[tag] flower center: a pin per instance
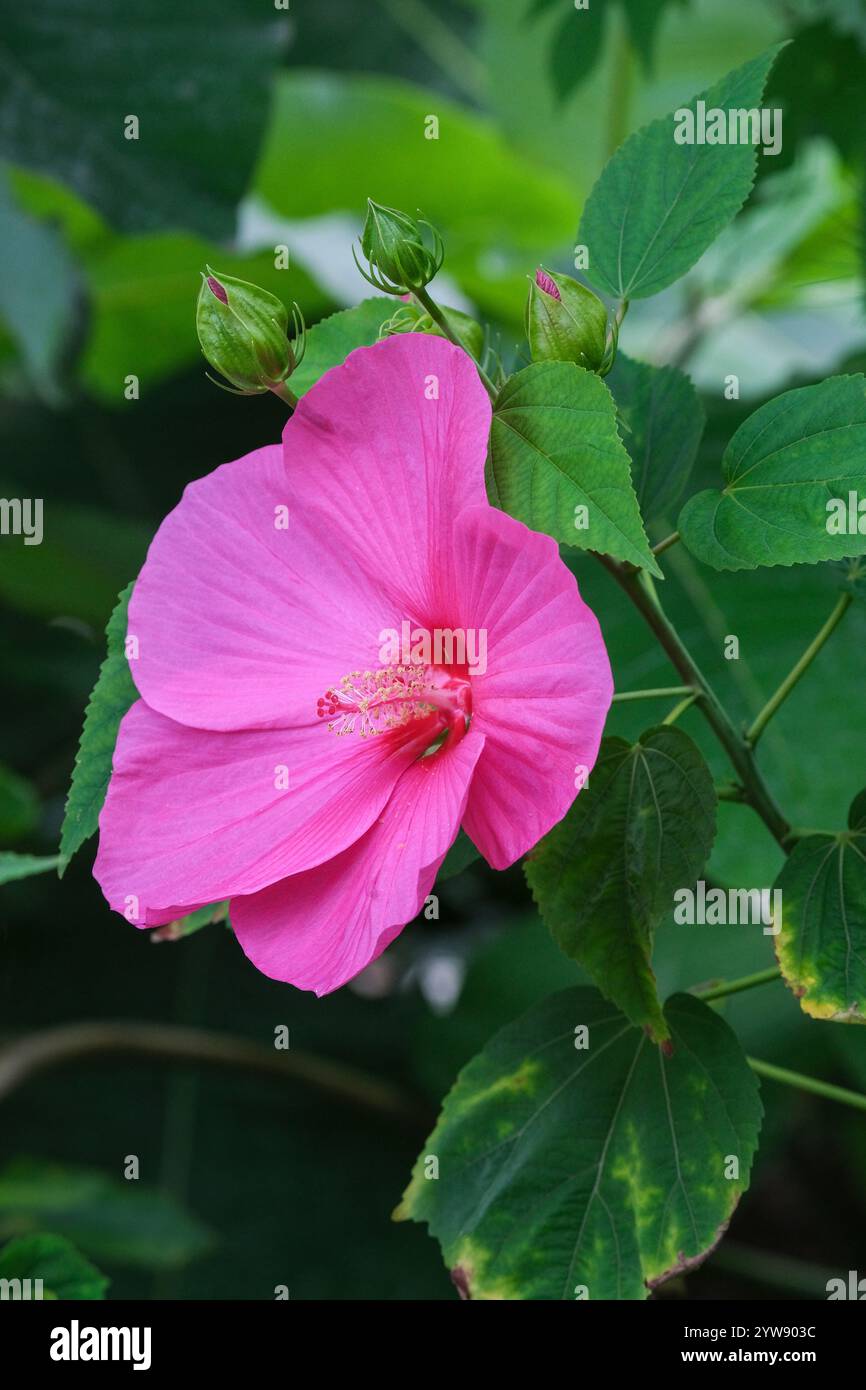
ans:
(372, 702)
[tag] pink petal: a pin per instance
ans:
(242, 624)
(543, 699)
(195, 816)
(216, 289)
(544, 282)
(319, 929)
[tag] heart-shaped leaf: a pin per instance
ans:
(573, 1159)
(790, 471)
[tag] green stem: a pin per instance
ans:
(730, 791)
(805, 832)
(439, 318)
(641, 590)
(661, 690)
(435, 38)
(612, 338)
(666, 543)
(681, 708)
(761, 977)
(807, 1083)
(282, 391)
(802, 665)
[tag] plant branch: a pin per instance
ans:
(681, 708)
(34, 1053)
(721, 991)
(282, 391)
(802, 665)
(658, 692)
(439, 318)
(666, 543)
(730, 791)
(611, 341)
(641, 590)
(807, 1083)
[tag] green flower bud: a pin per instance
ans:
(565, 322)
(243, 333)
(398, 258)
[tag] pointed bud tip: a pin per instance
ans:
(216, 289)
(544, 282)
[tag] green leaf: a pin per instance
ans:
(575, 49)
(642, 826)
(783, 465)
(644, 17)
(111, 697)
(39, 292)
(461, 854)
(15, 866)
(664, 421)
(195, 77)
(62, 1270)
(603, 1168)
(330, 341)
(554, 448)
(822, 944)
(114, 1220)
(658, 205)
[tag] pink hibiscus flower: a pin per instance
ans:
(275, 758)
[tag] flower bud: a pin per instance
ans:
(243, 333)
(398, 258)
(565, 322)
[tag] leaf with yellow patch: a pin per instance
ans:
(574, 1160)
(822, 943)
